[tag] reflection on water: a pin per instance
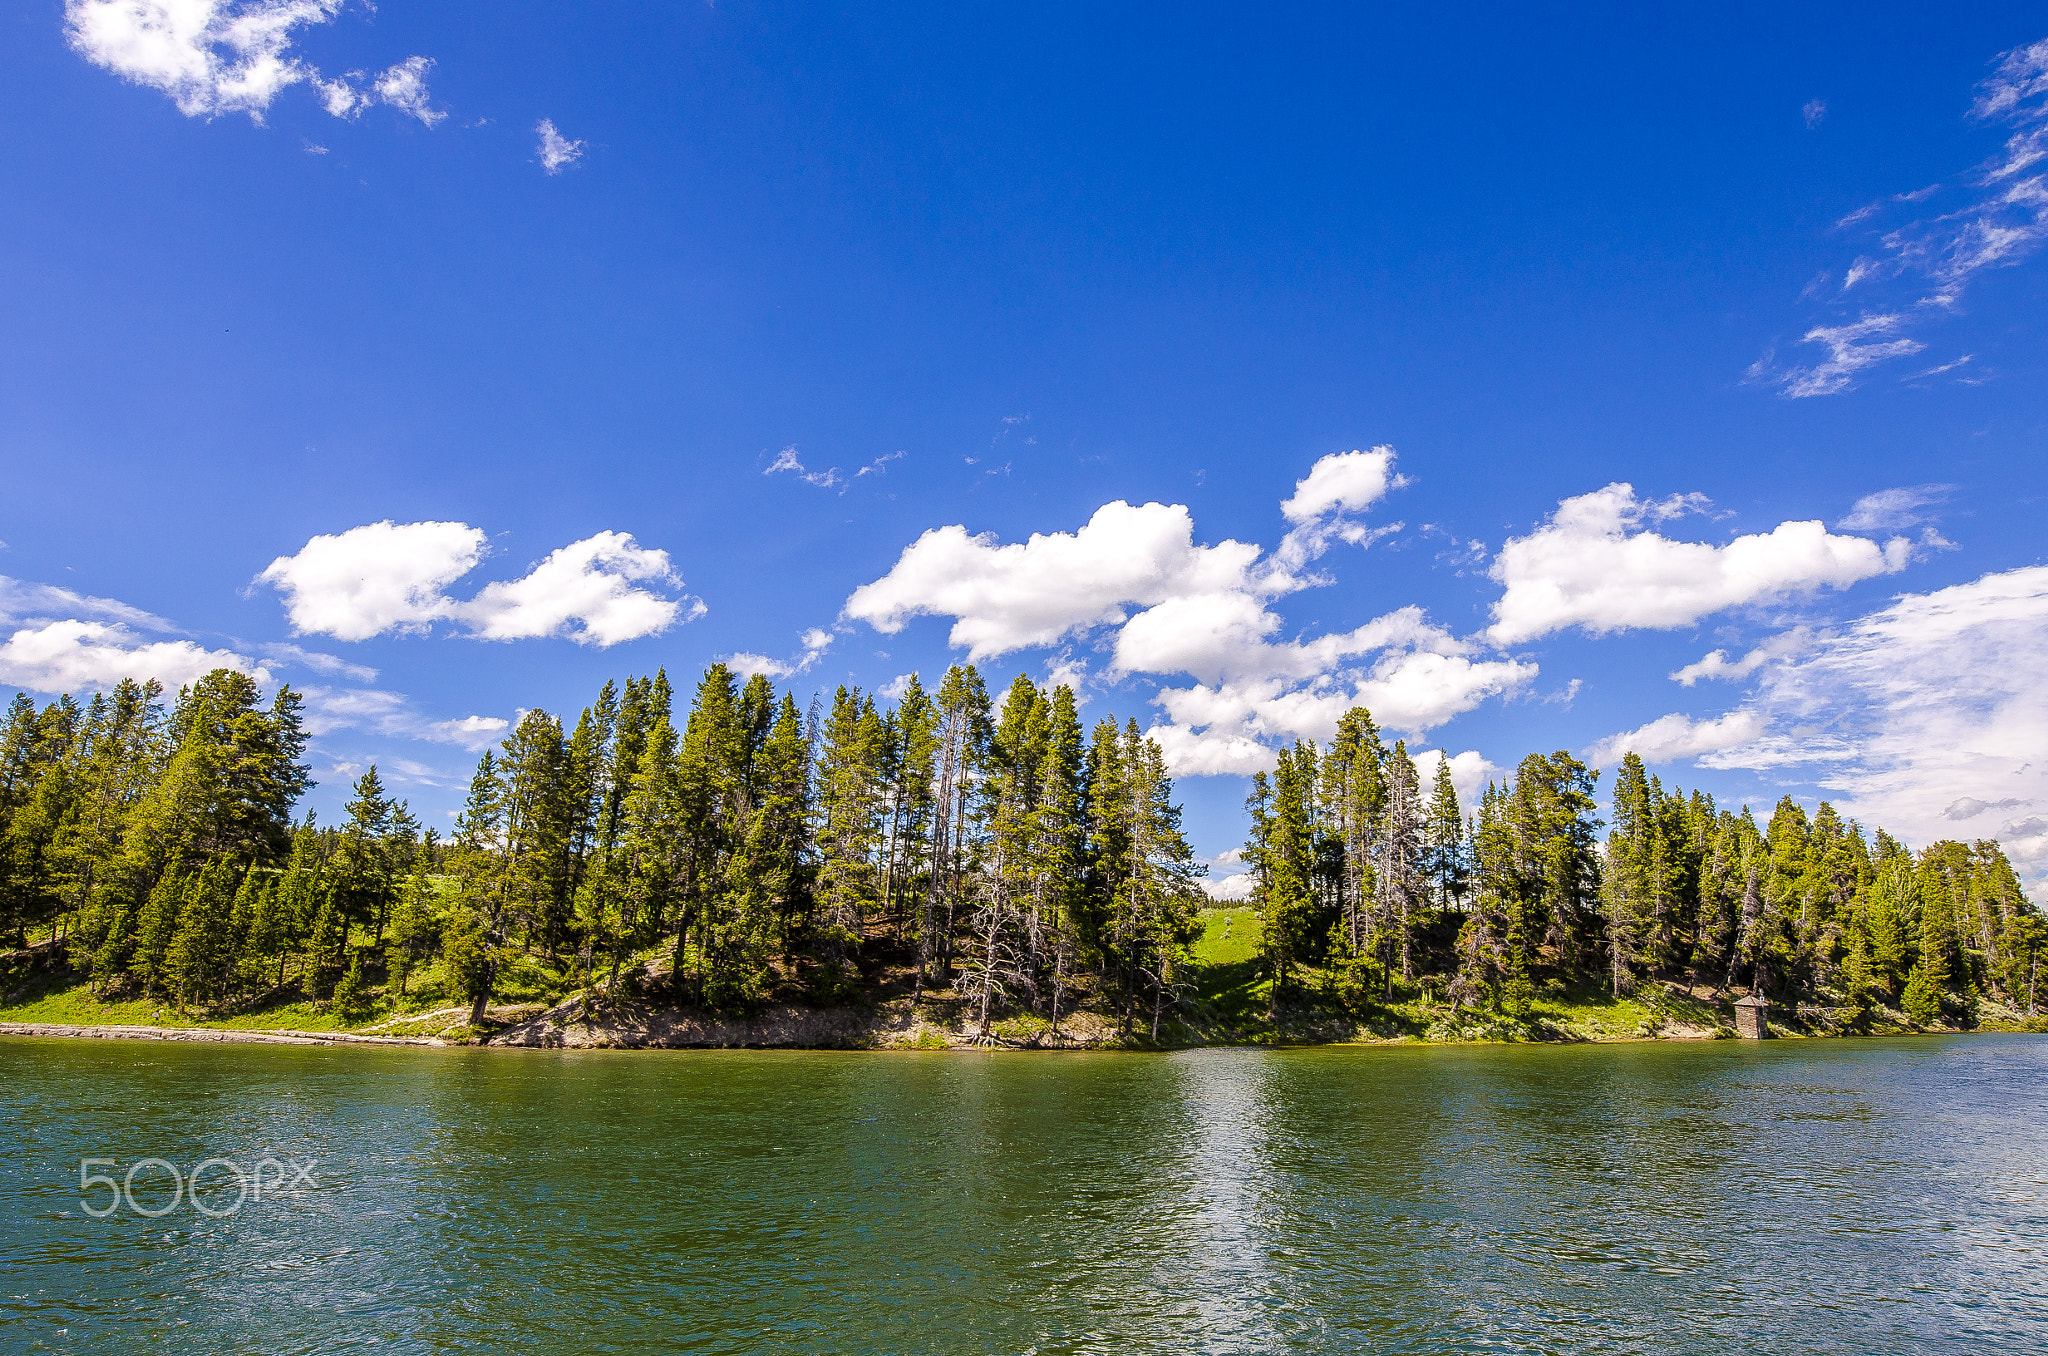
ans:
(1874, 1196)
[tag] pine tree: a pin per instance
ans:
(415, 925)
(156, 928)
(363, 870)
(326, 946)
(849, 827)
(1444, 840)
(1280, 852)
(1060, 844)
(352, 999)
(199, 963)
(963, 729)
(1922, 1000)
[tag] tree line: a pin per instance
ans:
(1358, 872)
(986, 849)
(993, 848)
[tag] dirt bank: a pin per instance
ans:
(229, 1036)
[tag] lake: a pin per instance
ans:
(1881, 1196)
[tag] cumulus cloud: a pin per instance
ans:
(380, 577)
(585, 591)
(1669, 738)
(1323, 502)
(1470, 773)
(231, 56)
(556, 151)
(1133, 581)
(392, 578)
(81, 656)
(1040, 591)
(1234, 889)
(1589, 567)
(1919, 711)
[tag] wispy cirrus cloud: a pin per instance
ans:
(832, 478)
(1923, 716)
(1916, 271)
(377, 711)
(21, 599)
(1899, 507)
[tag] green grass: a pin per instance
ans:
(1230, 935)
(73, 1004)
(67, 999)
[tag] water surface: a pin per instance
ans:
(1841, 1196)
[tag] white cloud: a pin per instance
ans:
(404, 87)
(1040, 591)
(1893, 508)
(831, 478)
(814, 642)
(2021, 78)
(1921, 708)
(1851, 348)
(1064, 670)
(391, 577)
(1585, 567)
(391, 714)
(1470, 773)
(1669, 738)
(1718, 666)
(1133, 581)
(584, 591)
(1230, 727)
(556, 151)
(1336, 487)
(474, 733)
(77, 656)
(332, 665)
(380, 577)
(1230, 889)
(230, 56)
(21, 600)
(787, 460)
(2002, 219)
(1813, 111)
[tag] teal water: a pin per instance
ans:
(1839, 1196)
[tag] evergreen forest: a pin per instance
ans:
(985, 855)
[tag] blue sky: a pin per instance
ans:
(683, 325)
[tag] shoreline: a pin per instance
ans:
(128, 1031)
(286, 1036)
